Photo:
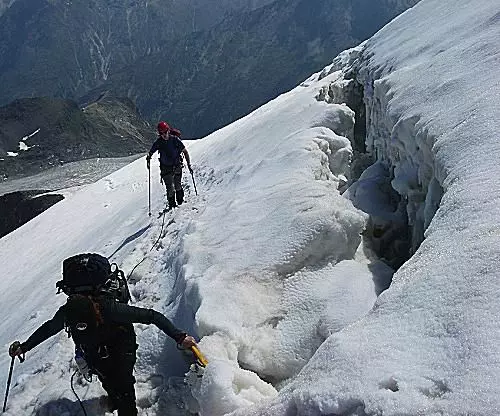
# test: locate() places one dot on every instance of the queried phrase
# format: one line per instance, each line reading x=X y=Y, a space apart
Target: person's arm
x=122 y=313
x=45 y=331
x=188 y=159
x=183 y=150
x=153 y=149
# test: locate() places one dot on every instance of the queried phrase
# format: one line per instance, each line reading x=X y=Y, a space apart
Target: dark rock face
x=39 y=133
x=4 y=4
x=64 y=48
x=18 y=208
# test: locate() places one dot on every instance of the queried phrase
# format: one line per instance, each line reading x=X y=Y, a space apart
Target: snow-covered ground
x=430 y=346
x=68 y=175
x=267 y=264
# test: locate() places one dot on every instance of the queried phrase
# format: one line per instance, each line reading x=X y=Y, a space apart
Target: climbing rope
x=76 y=395
x=155 y=243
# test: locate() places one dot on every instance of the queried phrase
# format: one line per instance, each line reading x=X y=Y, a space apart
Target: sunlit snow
x=28 y=136
x=22 y=145
x=268 y=265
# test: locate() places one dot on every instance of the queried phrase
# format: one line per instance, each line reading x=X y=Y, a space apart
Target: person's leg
x=179 y=192
x=116 y=375
x=168 y=180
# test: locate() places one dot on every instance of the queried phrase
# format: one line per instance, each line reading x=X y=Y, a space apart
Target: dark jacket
x=112 y=312
x=170 y=150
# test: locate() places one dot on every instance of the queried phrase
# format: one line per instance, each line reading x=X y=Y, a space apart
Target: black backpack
x=89 y=280
x=92 y=274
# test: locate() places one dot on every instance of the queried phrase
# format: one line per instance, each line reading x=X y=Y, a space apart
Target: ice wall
x=379 y=183
x=430 y=346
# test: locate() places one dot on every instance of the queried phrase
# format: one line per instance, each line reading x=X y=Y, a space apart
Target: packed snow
x=70 y=174
x=430 y=344
x=269 y=265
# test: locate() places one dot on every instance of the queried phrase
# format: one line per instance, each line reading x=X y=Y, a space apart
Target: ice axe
x=199 y=356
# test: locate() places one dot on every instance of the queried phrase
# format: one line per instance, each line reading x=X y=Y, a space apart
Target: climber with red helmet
x=171 y=151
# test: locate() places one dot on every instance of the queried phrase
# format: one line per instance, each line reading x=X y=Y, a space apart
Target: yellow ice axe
x=201 y=359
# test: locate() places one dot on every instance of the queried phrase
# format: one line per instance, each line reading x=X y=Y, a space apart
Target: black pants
x=116 y=375
x=172 y=177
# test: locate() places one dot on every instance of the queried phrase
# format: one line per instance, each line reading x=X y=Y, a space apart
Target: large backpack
x=175 y=132
x=89 y=280
x=92 y=274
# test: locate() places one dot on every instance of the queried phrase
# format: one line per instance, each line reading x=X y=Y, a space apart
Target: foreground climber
x=171 y=150
x=98 y=319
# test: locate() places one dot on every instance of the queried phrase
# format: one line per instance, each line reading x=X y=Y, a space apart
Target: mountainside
x=18 y=208
x=63 y=49
x=175 y=58
x=271 y=266
x=38 y=133
x=4 y=4
x=211 y=78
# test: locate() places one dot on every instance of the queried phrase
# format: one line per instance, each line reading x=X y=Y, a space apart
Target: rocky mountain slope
x=18 y=208
x=4 y=4
x=200 y=64
x=211 y=78
x=39 y=133
x=64 y=48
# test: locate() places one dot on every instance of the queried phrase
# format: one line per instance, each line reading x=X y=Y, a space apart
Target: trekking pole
x=8 y=384
x=21 y=359
x=149 y=191
x=194 y=183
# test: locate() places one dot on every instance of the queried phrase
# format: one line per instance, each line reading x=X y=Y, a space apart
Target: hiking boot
x=171 y=202
x=180 y=196
x=126 y=405
x=107 y=404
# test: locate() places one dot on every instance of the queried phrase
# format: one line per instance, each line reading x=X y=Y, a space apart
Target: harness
x=95 y=336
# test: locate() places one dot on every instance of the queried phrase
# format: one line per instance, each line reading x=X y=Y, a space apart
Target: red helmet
x=163 y=127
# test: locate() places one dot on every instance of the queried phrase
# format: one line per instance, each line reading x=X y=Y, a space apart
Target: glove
x=184 y=340
x=15 y=349
x=188 y=342
x=148 y=161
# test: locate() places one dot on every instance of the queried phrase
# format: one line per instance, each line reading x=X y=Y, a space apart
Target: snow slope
x=431 y=344
x=267 y=264
x=253 y=264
